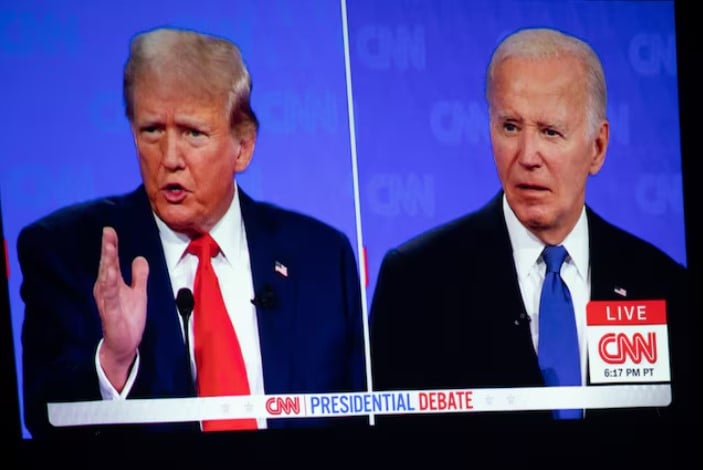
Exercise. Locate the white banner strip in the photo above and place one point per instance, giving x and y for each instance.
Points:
(362, 403)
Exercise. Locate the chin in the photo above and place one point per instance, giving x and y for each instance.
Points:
(533, 218)
(176, 219)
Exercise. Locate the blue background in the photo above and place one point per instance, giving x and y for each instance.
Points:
(420, 130)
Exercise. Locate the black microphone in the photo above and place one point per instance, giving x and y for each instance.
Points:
(185, 303)
(266, 299)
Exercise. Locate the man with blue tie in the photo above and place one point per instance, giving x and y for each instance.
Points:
(100, 278)
(498, 298)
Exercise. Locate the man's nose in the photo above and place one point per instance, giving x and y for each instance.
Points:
(529, 148)
(171, 152)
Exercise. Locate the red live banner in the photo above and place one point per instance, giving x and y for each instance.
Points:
(633, 312)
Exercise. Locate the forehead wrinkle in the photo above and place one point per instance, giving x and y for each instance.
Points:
(160, 104)
(558, 114)
(201, 120)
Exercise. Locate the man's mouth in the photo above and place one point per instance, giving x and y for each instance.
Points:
(174, 192)
(531, 187)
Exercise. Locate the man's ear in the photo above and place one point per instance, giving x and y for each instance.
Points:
(600, 145)
(246, 138)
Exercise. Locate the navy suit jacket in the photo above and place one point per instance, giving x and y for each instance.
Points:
(311, 334)
(448, 313)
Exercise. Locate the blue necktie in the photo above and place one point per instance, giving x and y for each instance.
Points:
(558, 349)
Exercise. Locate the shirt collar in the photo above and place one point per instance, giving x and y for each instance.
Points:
(527, 248)
(228, 232)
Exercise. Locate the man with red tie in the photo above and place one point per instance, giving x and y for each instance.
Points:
(276, 294)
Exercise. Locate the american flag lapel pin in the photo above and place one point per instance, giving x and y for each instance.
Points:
(620, 291)
(281, 269)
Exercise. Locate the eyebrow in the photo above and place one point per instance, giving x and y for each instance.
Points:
(192, 122)
(503, 117)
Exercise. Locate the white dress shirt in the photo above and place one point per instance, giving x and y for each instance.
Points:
(233, 269)
(531, 270)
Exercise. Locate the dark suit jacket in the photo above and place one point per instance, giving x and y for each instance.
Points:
(311, 339)
(448, 313)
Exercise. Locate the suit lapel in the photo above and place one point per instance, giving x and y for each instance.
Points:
(498, 252)
(512, 343)
(482, 298)
(606, 282)
(162, 351)
(276, 321)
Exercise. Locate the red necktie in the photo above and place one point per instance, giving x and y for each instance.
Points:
(218, 357)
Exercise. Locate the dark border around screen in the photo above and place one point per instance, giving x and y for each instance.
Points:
(11, 424)
(651, 443)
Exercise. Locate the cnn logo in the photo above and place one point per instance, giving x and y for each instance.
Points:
(616, 348)
(283, 405)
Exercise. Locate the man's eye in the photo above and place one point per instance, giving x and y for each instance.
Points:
(194, 133)
(551, 132)
(510, 127)
(150, 133)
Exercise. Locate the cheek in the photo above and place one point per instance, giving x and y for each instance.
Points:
(148, 164)
(581, 166)
(212, 171)
(570, 177)
(501, 144)
(501, 156)
(222, 163)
